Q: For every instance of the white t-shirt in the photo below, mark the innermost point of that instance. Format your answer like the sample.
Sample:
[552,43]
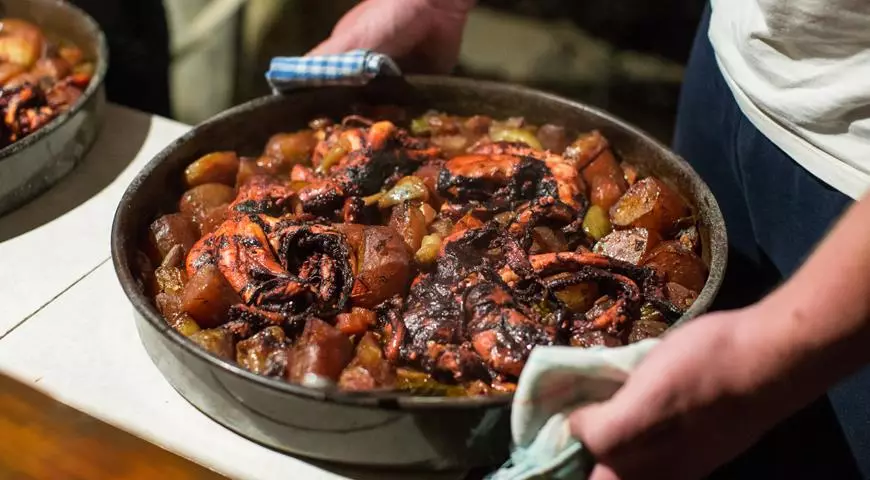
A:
[800,71]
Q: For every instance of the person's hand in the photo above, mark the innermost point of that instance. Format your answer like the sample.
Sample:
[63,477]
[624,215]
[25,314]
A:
[694,403]
[422,35]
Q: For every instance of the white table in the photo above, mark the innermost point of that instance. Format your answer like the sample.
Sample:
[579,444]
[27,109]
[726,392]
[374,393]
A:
[67,329]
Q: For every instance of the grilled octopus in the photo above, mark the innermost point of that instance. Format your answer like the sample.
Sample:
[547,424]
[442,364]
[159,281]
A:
[306,267]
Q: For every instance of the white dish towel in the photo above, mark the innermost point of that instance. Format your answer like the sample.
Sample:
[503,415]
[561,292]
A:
[555,381]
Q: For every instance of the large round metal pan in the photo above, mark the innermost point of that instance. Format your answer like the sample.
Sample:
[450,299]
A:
[381,430]
[34,163]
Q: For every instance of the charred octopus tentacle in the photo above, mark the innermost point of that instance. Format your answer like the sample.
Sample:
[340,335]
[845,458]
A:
[282,270]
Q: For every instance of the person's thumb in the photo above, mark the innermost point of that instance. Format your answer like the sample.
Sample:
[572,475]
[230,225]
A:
[583,421]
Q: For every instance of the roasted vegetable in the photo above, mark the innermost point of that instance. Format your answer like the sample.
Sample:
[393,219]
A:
[429,174]
[690,238]
[596,224]
[248,168]
[579,298]
[408,221]
[266,353]
[211,218]
[170,307]
[384,264]
[171,230]
[428,212]
[515,135]
[196,201]
[332,158]
[630,173]
[429,248]
[289,149]
[216,341]
[452,145]
[9,71]
[207,297]
[442,227]
[216,167]
[628,245]
[355,322]
[184,324]
[419,383]
[168,304]
[586,148]
[407,188]
[650,204]
[170,280]
[21,42]
[644,329]
[553,138]
[678,265]
[322,352]
[420,126]
[369,369]
[680,295]
[605,180]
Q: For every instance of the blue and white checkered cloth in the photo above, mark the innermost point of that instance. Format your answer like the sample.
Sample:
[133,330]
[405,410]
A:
[356,67]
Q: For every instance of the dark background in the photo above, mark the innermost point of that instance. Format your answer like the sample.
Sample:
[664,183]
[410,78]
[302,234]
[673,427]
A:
[661,31]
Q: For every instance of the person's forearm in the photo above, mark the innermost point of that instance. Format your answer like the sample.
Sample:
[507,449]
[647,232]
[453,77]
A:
[815,329]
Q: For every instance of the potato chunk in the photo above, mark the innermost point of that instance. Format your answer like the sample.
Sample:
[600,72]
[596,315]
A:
[248,169]
[368,369]
[585,149]
[628,245]
[322,351]
[196,202]
[644,329]
[408,221]
[266,353]
[678,265]
[552,138]
[216,341]
[216,167]
[650,204]
[213,218]
[289,149]
[355,322]
[680,295]
[208,296]
[171,230]
[605,179]
[383,263]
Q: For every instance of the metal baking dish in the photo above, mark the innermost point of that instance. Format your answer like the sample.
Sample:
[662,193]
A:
[377,430]
[34,163]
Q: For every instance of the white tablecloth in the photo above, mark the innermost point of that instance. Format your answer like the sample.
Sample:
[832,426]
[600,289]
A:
[67,328]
